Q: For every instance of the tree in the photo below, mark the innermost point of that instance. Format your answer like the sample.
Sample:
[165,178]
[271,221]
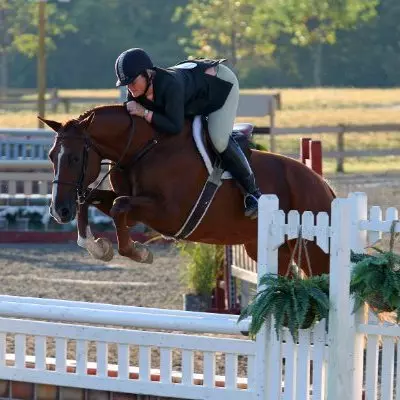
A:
[314,22]
[18,30]
[370,54]
[105,29]
[221,28]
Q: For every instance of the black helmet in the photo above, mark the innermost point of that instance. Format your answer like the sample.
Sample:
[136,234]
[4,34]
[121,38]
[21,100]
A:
[130,64]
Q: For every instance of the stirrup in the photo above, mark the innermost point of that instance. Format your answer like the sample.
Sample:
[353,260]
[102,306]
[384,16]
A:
[251,210]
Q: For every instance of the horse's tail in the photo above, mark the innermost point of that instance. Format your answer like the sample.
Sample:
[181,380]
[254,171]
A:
[330,188]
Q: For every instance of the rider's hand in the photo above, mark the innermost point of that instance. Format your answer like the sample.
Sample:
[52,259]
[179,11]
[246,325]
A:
[134,108]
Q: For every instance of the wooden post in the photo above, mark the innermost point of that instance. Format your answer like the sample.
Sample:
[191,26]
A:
[316,156]
[304,149]
[272,142]
[311,154]
[41,65]
[54,100]
[230,284]
[340,148]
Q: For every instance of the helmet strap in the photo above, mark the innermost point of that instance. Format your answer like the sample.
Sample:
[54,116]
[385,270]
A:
[149,80]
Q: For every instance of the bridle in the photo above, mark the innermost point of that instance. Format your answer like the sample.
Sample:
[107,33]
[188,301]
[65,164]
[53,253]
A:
[84,194]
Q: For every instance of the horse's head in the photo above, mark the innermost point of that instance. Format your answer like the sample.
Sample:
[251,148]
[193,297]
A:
[76,164]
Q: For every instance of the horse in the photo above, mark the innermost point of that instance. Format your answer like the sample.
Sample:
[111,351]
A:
[157,179]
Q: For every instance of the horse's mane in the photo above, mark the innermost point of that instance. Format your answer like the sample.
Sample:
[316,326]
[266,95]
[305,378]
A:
[97,110]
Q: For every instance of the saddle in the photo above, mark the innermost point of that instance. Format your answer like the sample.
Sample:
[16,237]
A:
[241,133]
[216,173]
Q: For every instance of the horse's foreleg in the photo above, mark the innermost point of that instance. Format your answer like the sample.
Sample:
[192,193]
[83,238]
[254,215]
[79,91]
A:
[103,200]
[136,251]
[100,248]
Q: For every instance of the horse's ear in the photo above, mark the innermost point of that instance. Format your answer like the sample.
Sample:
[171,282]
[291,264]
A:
[85,123]
[56,126]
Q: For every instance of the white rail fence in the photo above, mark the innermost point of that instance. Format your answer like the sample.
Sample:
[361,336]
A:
[321,365]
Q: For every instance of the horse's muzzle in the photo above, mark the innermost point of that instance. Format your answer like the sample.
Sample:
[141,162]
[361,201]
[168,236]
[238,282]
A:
[63,214]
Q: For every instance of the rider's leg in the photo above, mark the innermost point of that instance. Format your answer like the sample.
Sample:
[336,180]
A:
[220,125]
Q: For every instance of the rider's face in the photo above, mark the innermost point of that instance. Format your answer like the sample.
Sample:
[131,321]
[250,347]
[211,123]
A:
[138,86]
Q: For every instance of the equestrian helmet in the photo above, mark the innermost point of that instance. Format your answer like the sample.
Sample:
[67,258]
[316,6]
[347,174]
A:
[130,64]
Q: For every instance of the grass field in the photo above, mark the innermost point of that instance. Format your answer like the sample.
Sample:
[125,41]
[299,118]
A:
[300,107]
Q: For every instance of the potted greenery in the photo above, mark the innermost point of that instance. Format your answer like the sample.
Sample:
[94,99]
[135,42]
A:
[199,273]
[375,279]
[294,300]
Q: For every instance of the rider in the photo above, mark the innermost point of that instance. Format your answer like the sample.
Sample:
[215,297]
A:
[164,97]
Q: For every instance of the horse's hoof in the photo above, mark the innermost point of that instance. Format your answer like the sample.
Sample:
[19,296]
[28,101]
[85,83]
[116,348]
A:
[145,256]
[107,246]
[120,205]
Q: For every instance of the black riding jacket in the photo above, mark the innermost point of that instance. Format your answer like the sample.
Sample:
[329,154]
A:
[181,92]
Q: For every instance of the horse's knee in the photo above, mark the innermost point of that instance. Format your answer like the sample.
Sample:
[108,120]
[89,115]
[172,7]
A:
[121,204]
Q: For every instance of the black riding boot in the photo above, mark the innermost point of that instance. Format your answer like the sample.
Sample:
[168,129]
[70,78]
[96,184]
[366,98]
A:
[234,160]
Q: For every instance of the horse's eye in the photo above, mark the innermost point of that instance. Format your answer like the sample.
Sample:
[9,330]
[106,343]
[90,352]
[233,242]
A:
[73,159]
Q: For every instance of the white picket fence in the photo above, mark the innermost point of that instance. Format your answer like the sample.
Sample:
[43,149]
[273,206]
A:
[342,372]
[321,366]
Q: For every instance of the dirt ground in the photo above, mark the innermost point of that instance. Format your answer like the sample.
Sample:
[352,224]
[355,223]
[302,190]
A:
[68,272]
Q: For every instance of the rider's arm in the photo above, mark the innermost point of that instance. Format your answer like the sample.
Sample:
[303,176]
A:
[172,119]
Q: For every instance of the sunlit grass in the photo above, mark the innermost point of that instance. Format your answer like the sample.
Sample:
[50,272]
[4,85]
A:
[332,117]
[333,97]
[28,119]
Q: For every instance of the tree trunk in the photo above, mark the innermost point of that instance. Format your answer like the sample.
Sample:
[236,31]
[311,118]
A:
[317,67]
[233,48]
[3,56]
[3,75]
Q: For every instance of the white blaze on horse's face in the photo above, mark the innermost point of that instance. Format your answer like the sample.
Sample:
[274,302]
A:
[55,185]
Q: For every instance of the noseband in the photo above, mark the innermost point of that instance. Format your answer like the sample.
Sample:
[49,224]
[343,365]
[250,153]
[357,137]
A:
[88,144]
[84,194]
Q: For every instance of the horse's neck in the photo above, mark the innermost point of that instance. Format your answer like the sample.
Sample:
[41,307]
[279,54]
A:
[114,137]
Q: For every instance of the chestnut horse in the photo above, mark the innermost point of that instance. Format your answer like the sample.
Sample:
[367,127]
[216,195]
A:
[161,179]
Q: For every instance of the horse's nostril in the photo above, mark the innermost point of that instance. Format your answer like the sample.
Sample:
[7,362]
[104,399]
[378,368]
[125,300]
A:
[64,212]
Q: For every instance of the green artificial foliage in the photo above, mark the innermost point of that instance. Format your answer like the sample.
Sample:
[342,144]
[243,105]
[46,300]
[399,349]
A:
[294,302]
